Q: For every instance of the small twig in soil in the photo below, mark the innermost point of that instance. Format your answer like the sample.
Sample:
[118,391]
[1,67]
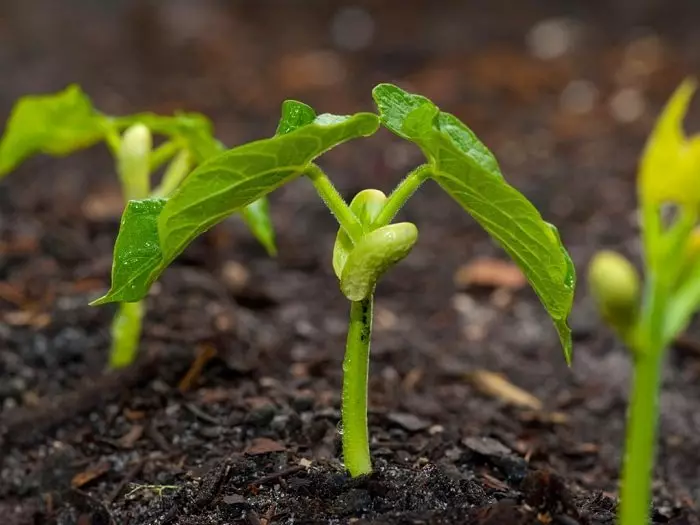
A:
[276,475]
[205,353]
[202,415]
[159,439]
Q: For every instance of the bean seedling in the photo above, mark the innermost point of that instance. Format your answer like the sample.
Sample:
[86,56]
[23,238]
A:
[648,317]
[155,231]
[65,122]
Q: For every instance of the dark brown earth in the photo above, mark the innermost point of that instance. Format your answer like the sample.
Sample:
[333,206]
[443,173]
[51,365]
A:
[254,439]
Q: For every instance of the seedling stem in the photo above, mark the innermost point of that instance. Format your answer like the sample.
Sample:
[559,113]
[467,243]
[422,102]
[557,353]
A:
[355,377]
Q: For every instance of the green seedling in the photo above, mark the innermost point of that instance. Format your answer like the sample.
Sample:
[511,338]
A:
[648,317]
[65,122]
[155,231]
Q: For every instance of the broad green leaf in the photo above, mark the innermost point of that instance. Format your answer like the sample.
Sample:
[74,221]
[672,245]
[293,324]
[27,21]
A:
[366,205]
[469,172]
[219,187]
[257,215]
[242,175]
[136,252]
[56,124]
[294,115]
[197,132]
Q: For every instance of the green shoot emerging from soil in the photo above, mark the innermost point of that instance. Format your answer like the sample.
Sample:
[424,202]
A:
[155,231]
[65,122]
[648,318]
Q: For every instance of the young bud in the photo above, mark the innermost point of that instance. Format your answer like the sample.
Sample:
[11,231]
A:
[366,206]
[134,161]
[373,255]
[614,284]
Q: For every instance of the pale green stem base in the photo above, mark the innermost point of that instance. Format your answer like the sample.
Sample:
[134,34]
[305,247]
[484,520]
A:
[355,376]
[126,334]
[635,498]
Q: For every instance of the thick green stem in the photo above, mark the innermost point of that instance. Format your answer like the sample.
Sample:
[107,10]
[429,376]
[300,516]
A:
[355,374]
[643,411]
[126,334]
[400,195]
[336,204]
[641,440]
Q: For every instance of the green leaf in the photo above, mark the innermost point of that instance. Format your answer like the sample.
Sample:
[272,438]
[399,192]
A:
[242,175]
[257,216]
[56,124]
[198,133]
[294,115]
[136,252]
[219,187]
[469,173]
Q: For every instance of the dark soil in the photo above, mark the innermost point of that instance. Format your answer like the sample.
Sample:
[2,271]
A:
[255,438]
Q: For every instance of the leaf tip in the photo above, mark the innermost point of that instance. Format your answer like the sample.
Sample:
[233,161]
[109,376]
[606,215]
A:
[101,300]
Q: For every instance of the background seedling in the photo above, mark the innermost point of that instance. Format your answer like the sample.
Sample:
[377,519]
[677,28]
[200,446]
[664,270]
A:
[65,122]
[155,231]
[647,318]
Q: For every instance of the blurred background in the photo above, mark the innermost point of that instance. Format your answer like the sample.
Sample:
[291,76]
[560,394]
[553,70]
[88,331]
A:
[549,86]
[564,93]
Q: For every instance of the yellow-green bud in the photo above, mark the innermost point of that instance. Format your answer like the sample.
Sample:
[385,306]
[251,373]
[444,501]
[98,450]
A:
[366,206]
[134,161]
[376,252]
[614,284]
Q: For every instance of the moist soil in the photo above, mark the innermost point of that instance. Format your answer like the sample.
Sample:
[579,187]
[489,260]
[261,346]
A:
[231,413]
